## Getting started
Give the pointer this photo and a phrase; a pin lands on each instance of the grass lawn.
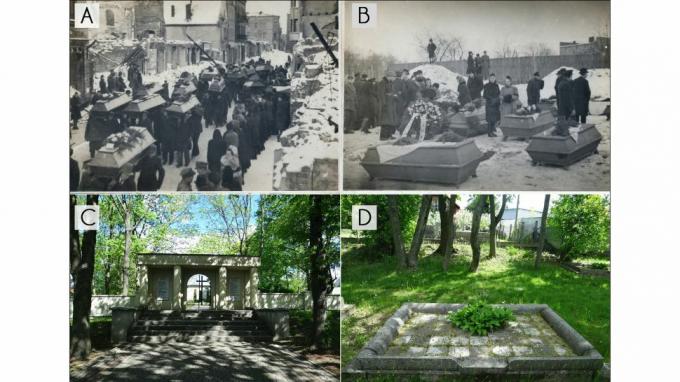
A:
(378, 289)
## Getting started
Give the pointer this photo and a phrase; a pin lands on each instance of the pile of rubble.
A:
(308, 158)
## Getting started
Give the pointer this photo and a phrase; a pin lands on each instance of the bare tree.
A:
(506, 51)
(544, 219)
(538, 49)
(448, 46)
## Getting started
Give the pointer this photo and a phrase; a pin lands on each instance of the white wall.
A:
(295, 301)
(102, 304)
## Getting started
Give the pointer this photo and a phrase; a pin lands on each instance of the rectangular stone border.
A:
(371, 360)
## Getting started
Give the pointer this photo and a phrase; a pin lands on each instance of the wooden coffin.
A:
(180, 107)
(468, 124)
(216, 86)
(545, 148)
(433, 162)
(145, 104)
(119, 149)
(525, 126)
(109, 104)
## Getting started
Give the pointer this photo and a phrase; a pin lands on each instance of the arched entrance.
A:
(198, 292)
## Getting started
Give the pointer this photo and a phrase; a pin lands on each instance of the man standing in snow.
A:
(534, 91)
(486, 66)
(431, 48)
(463, 92)
(350, 104)
(560, 77)
(475, 84)
(581, 89)
(470, 64)
(509, 97)
(478, 65)
(492, 95)
(565, 96)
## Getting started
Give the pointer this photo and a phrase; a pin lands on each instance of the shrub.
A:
(479, 318)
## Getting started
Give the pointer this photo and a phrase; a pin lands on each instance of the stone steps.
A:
(198, 338)
(229, 333)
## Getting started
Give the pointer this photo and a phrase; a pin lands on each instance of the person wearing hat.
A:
(560, 77)
(350, 104)
(475, 84)
(565, 96)
(125, 181)
(388, 117)
(509, 98)
(486, 66)
(470, 64)
(431, 48)
(75, 109)
(534, 91)
(187, 175)
(463, 91)
(581, 90)
(151, 172)
(492, 96)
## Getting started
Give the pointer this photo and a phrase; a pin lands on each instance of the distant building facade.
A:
(596, 46)
(148, 19)
(264, 27)
(302, 13)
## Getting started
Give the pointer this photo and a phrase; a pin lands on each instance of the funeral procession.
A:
(196, 96)
(453, 105)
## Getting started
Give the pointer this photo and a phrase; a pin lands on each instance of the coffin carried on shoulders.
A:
(119, 149)
(525, 126)
(216, 86)
(183, 91)
(557, 150)
(111, 102)
(146, 90)
(145, 104)
(431, 162)
(183, 107)
(209, 76)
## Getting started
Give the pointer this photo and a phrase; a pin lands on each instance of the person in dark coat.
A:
(565, 96)
(196, 128)
(102, 85)
(470, 64)
(165, 91)
(74, 172)
(168, 136)
(216, 149)
(581, 91)
(486, 66)
(560, 77)
(268, 117)
(478, 65)
(534, 91)
(228, 180)
(463, 92)
(74, 103)
(112, 82)
(492, 95)
(120, 82)
(125, 181)
(183, 142)
(475, 84)
(431, 49)
(389, 119)
(282, 113)
(151, 172)
(350, 104)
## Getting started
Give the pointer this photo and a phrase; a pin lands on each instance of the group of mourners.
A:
(395, 103)
(259, 111)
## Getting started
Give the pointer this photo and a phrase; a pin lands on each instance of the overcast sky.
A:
(482, 25)
(278, 8)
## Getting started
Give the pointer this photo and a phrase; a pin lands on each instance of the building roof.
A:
(509, 214)
(202, 12)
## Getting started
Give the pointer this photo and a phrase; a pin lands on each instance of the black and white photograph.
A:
(205, 96)
(478, 96)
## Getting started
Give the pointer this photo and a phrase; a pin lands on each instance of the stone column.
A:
(143, 282)
(222, 288)
(177, 288)
(254, 281)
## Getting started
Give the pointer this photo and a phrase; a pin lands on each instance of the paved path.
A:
(216, 361)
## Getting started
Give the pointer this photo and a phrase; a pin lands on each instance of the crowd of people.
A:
(247, 93)
(391, 102)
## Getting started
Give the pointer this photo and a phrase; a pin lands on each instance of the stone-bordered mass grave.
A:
(419, 340)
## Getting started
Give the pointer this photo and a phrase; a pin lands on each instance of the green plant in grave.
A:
(479, 318)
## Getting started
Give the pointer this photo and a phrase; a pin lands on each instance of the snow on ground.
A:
(447, 79)
(261, 172)
(311, 136)
(276, 57)
(509, 169)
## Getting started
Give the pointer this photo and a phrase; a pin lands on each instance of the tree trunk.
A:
(318, 272)
(128, 243)
(82, 293)
(474, 234)
(544, 219)
(395, 229)
(495, 219)
(74, 240)
(516, 233)
(448, 244)
(443, 224)
(417, 241)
